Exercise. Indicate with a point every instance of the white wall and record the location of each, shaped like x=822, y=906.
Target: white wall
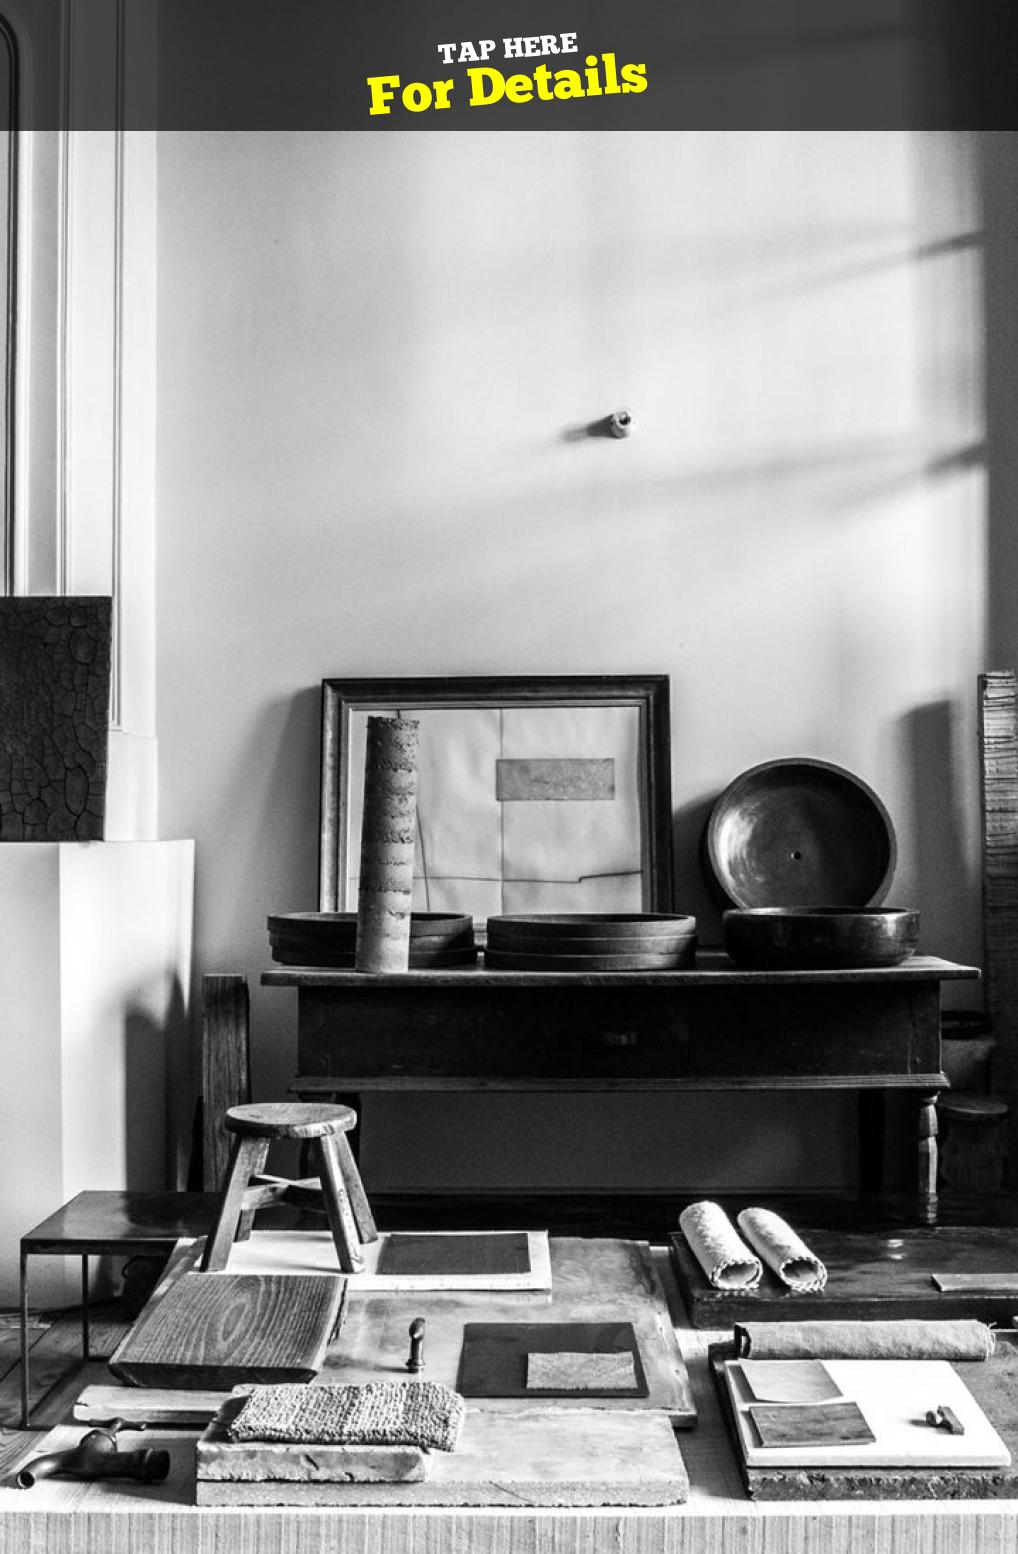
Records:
x=371, y=351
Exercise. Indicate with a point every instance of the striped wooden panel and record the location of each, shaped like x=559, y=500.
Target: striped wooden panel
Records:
x=998, y=750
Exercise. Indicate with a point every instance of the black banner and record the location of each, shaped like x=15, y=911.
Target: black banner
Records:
x=380, y=65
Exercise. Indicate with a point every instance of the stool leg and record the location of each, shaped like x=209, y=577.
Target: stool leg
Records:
x=246, y=1160
x=337, y=1206
x=366, y=1228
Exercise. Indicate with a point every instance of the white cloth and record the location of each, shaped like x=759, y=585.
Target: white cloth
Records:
x=722, y=1254
x=784, y=1252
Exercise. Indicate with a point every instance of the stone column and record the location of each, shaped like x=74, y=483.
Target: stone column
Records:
x=387, y=845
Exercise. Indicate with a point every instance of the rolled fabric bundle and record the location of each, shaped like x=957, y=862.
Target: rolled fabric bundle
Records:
x=893, y=1340
x=722, y=1254
x=784, y=1252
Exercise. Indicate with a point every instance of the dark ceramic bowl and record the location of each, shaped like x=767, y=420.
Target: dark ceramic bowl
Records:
x=824, y=939
x=800, y=833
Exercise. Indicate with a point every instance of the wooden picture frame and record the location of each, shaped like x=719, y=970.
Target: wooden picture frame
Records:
x=519, y=776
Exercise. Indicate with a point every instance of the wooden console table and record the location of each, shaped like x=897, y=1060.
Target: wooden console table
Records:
x=712, y=1028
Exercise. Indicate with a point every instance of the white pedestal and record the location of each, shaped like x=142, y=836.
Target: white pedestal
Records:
x=95, y=955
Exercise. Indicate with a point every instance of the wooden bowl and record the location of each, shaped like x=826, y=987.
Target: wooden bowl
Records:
x=800, y=833
x=831, y=938
x=591, y=941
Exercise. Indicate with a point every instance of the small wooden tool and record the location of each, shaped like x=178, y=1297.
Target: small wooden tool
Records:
x=944, y=1418
x=415, y=1359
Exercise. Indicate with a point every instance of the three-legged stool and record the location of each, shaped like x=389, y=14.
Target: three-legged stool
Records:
x=246, y=1189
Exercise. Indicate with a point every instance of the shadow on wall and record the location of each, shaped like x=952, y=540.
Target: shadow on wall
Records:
x=998, y=167
x=273, y=798
x=693, y=893
x=941, y=865
x=157, y=1117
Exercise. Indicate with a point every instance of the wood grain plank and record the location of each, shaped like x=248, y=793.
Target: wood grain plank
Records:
x=220, y=1330
x=998, y=754
x=226, y=1073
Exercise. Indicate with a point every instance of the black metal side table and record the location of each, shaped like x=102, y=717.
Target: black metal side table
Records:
x=97, y=1224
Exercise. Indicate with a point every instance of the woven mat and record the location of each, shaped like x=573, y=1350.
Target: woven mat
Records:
x=382, y=1413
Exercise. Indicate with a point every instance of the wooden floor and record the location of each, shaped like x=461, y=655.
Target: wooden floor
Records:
x=56, y=1369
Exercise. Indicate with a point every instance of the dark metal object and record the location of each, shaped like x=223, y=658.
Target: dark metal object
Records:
x=800, y=833
x=100, y=1223
x=875, y=1271
x=778, y=939
x=95, y=1457
x=415, y=1359
x=944, y=1418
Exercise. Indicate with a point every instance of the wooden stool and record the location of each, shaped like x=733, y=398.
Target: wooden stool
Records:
x=973, y=1155
x=246, y=1189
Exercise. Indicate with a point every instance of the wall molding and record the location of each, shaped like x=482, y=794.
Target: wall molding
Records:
x=9, y=64
x=85, y=517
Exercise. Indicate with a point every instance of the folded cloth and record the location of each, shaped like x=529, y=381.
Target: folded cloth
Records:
x=722, y=1254
x=380, y=1413
x=894, y=1340
x=783, y=1250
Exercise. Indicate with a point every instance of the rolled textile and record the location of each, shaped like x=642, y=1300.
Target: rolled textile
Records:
x=892, y=1340
x=783, y=1250
x=722, y=1254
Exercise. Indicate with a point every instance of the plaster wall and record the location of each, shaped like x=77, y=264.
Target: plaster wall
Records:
x=372, y=352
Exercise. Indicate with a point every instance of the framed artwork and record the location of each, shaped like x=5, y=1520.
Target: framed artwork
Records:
x=539, y=793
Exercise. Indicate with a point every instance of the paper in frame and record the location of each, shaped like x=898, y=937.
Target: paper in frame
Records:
x=585, y=762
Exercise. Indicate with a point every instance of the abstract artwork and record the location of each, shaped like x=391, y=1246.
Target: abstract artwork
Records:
x=54, y=718
x=541, y=794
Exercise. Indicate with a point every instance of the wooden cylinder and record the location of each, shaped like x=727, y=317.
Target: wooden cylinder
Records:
x=387, y=845
x=974, y=1154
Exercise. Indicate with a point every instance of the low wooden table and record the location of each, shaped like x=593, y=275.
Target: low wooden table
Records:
x=123, y=1518
x=711, y=1028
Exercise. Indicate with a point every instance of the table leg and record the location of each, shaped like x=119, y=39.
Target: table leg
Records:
x=928, y=1158
x=872, y=1136
x=84, y=1307
x=24, y=1339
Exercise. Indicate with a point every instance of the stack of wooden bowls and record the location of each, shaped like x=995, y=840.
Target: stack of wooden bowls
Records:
x=591, y=941
x=438, y=940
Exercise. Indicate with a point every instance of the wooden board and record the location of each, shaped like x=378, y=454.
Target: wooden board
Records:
x=592, y=1282
x=998, y=753
x=495, y=1358
x=165, y=1408
x=993, y=1384
x=296, y=1252
x=219, y=1330
x=894, y=1396
x=524, y=1459
x=878, y=1273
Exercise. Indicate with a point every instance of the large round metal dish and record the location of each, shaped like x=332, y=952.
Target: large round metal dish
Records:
x=800, y=833
x=775, y=939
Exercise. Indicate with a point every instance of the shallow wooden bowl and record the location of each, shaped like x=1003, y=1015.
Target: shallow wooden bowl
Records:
x=831, y=938
x=800, y=833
